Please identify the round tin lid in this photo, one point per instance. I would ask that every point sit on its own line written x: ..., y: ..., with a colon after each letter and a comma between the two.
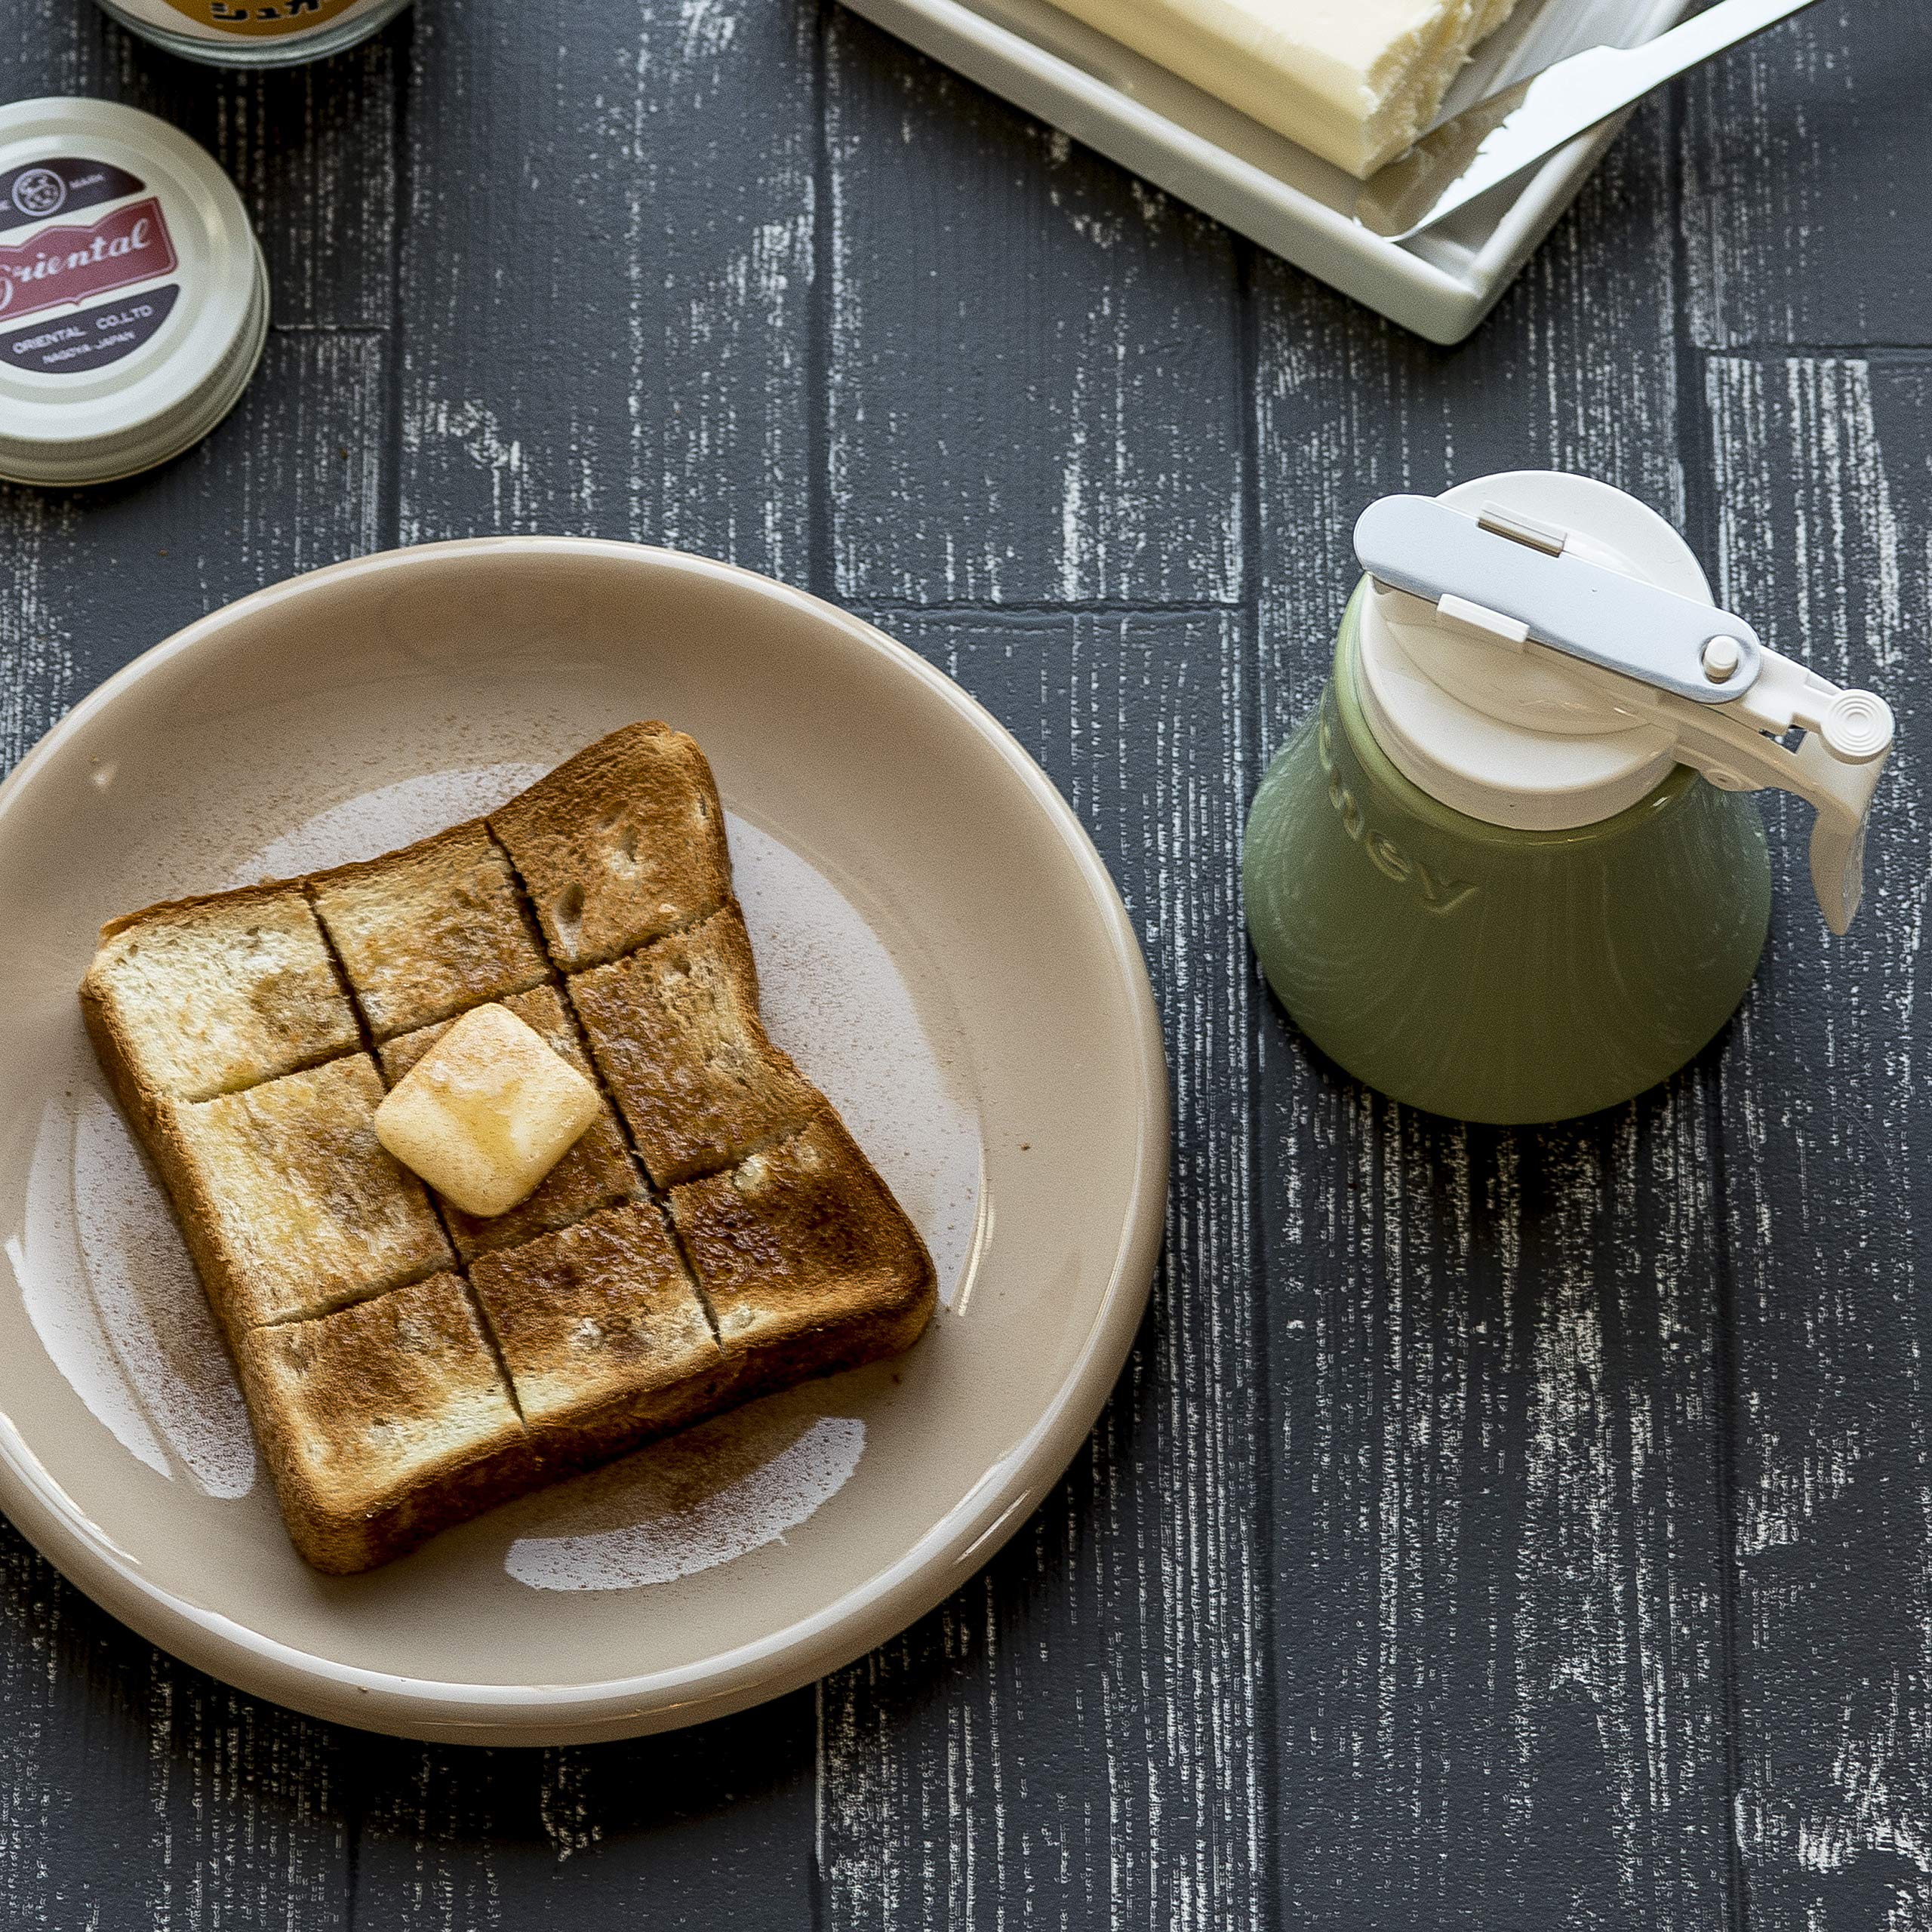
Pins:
x: 133, y: 299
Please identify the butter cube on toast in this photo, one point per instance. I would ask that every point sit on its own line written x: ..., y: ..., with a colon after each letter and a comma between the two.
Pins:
x: 620, y: 843
x: 596, y: 1172
x: 808, y: 1262
x: 486, y: 1112
x: 291, y: 1205
x: 384, y: 1422
x: 605, y: 1339
x: 206, y: 995
x: 426, y: 931
x: 675, y: 1029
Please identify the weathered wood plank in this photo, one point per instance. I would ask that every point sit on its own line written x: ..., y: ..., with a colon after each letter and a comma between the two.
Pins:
x: 1805, y: 175
x: 606, y: 268
x: 1824, y: 470
x: 1079, y: 1737
x: 707, y: 1827
x: 292, y: 480
x: 1034, y: 388
x: 134, y: 1792
x: 311, y: 149
x: 1498, y: 1529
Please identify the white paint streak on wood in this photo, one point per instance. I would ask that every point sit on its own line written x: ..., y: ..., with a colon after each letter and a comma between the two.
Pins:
x: 1825, y: 472
x: 1803, y: 171
x: 1078, y: 1737
x: 330, y: 129
x: 38, y: 678
x: 1035, y: 390
x: 607, y: 330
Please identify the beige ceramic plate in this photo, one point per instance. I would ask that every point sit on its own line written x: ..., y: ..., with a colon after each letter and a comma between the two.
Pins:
x: 941, y: 948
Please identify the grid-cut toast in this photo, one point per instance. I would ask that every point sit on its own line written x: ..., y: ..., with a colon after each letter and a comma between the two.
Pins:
x: 423, y: 933
x: 291, y: 1205
x: 384, y: 1422
x: 675, y: 1029
x: 714, y: 1233
x: 206, y: 996
x: 619, y: 845
x: 603, y: 1334
x: 806, y: 1260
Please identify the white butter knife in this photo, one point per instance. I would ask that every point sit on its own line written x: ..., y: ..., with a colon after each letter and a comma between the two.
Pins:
x: 1486, y: 145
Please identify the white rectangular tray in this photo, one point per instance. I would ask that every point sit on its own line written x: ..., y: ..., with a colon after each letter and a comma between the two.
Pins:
x: 1440, y: 284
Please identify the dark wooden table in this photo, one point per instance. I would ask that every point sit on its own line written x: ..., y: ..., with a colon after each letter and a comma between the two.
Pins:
x: 1492, y: 1530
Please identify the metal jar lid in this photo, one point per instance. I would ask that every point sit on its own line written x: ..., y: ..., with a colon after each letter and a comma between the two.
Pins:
x: 134, y: 299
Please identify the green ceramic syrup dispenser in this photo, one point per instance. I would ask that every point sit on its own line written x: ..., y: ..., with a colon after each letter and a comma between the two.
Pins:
x: 1509, y: 871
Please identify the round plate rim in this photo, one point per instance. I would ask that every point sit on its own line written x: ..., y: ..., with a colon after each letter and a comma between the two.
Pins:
x: 971, y: 1532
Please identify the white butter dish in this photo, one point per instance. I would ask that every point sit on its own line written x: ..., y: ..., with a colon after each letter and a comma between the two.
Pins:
x: 1440, y: 284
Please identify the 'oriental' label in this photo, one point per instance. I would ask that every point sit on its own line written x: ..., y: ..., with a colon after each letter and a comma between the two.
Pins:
x: 60, y: 266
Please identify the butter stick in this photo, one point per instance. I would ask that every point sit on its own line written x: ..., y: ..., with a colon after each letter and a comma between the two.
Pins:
x: 1354, y: 82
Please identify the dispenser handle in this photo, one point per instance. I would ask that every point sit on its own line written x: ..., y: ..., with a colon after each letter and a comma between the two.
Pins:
x: 1835, y: 768
x: 1703, y: 675
x: 1837, y: 870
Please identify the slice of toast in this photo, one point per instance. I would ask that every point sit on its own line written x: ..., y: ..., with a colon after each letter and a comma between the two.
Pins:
x: 807, y: 1261
x: 605, y: 1340
x: 291, y: 1205
x: 596, y: 1173
x: 676, y: 1032
x: 423, y: 933
x: 619, y: 845
x: 384, y: 1422
x: 204, y: 996
x: 383, y: 1368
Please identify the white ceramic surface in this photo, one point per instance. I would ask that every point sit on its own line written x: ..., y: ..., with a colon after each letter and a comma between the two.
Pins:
x: 941, y: 949
x: 1440, y: 284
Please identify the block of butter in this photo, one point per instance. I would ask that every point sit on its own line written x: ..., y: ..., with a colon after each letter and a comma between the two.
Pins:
x: 1354, y: 81
x: 486, y: 1112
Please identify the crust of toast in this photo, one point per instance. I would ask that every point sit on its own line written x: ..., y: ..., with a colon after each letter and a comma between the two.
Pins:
x: 197, y: 997
x: 605, y: 1339
x: 383, y: 1423
x: 808, y: 1262
x: 291, y: 1205
x: 676, y: 1032
x: 425, y: 932
x: 597, y: 1172
x: 619, y: 845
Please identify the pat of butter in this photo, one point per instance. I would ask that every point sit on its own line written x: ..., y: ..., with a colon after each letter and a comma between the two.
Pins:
x: 486, y: 1112
x: 1354, y: 81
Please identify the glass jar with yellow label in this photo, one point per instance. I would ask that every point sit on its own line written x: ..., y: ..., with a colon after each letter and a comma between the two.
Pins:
x: 254, y: 33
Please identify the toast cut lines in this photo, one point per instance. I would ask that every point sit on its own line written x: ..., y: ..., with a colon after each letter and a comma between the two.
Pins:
x: 716, y: 1233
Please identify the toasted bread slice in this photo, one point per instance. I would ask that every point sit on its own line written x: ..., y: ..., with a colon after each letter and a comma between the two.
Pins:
x: 808, y: 1262
x: 289, y: 1204
x: 426, y: 931
x: 597, y: 1172
x: 384, y: 1422
x: 676, y: 1031
x: 203, y: 996
x: 604, y: 1338
x: 233, y: 1029
x: 619, y: 845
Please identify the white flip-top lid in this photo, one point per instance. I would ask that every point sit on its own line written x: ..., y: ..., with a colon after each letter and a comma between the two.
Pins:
x: 1538, y: 650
